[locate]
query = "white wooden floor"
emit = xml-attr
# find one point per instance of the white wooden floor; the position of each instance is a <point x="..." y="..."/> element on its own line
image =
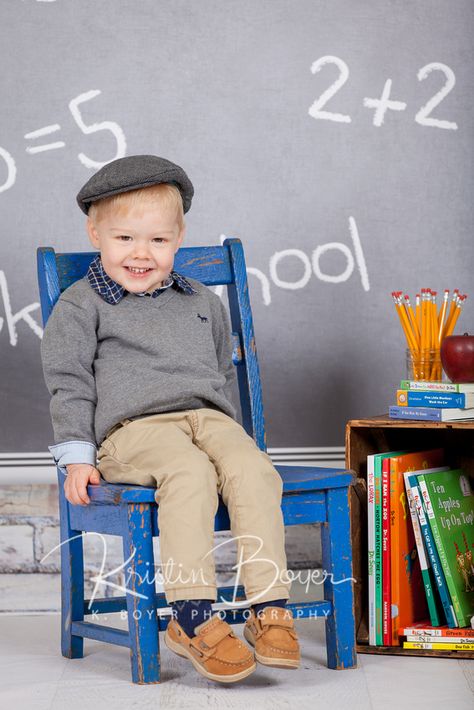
<point x="34" y="675"/>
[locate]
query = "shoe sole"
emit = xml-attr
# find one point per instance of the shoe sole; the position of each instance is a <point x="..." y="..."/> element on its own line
<point x="269" y="660"/>
<point x="181" y="651"/>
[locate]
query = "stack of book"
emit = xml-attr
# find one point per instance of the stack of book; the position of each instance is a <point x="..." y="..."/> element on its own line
<point x="440" y="638"/>
<point x="420" y="548"/>
<point x="433" y="401"/>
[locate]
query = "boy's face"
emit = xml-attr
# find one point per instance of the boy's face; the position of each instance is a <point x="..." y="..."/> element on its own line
<point x="149" y="240"/>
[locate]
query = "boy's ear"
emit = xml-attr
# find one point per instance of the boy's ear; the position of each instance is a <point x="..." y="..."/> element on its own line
<point x="181" y="237"/>
<point x="92" y="232"/>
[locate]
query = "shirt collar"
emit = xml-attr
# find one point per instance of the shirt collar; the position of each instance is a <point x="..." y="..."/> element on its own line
<point x="112" y="292"/>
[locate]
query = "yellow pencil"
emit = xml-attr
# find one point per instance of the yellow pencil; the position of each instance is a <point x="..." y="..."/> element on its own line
<point x="456" y="314"/>
<point x="418" y="311"/>
<point x="452" y="307"/>
<point x="404" y="322"/>
<point x="434" y="320"/>
<point x="442" y="314"/>
<point x="412" y="319"/>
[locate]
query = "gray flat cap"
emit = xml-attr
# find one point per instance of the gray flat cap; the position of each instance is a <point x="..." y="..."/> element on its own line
<point x="131" y="173"/>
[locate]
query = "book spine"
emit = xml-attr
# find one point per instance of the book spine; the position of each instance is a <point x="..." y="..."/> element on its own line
<point x="371" y="546"/>
<point x="439" y="646"/>
<point x="446" y="633"/>
<point x="439" y="639"/>
<point x="386" y="551"/>
<point x="433" y="555"/>
<point x="424" y="565"/>
<point x="394" y="554"/>
<point x="427" y="385"/>
<point x="446" y="400"/>
<point x="378" y="559"/>
<point x="441" y="551"/>
<point x="424" y="413"/>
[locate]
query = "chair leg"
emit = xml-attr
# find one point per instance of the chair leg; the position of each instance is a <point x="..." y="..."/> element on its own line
<point x="72" y="580"/>
<point x="139" y="580"/>
<point x="338" y="585"/>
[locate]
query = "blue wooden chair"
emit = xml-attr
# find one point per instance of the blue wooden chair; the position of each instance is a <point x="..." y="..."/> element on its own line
<point x="310" y="495"/>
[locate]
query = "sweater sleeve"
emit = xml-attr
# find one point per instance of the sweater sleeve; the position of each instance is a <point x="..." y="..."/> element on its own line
<point x="73" y="452"/>
<point x="222" y="332"/>
<point x="68" y="350"/>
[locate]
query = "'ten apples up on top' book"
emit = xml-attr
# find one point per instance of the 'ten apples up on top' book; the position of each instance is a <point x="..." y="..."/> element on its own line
<point x="449" y="503"/>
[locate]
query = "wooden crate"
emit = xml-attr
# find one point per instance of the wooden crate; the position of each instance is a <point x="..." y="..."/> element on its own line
<point x="379" y="435"/>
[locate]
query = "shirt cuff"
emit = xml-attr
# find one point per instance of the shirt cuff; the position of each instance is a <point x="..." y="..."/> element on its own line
<point x="73" y="452"/>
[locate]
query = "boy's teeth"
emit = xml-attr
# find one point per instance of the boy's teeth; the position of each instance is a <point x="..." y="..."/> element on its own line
<point x="138" y="271"/>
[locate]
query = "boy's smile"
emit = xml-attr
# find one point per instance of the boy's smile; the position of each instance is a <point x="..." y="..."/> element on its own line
<point x="137" y="250"/>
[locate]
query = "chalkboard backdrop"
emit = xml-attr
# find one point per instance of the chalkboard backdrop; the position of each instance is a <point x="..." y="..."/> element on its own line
<point x="335" y="139"/>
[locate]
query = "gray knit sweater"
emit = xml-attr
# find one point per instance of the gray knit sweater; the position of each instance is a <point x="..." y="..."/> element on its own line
<point x="104" y="362"/>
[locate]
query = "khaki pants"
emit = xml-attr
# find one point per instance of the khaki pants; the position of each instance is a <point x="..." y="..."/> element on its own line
<point x="191" y="456"/>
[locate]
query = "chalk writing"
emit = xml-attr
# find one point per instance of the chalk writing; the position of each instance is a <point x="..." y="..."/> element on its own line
<point x="86" y="128"/>
<point x="384" y="103"/>
<point x="11" y="170"/>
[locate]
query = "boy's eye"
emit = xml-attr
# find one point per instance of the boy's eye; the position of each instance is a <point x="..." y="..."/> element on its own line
<point x="125" y="237"/>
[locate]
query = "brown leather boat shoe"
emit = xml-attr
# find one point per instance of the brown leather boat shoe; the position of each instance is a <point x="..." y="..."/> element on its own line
<point x="214" y="651"/>
<point x="274" y="637"/>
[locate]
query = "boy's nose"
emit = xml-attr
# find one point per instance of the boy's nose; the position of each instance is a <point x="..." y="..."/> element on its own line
<point x="141" y="251"/>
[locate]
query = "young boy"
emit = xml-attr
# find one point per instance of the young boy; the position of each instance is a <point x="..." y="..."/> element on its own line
<point x="138" y="362"/>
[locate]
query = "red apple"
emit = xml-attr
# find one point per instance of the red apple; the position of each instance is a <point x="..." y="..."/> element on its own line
<point x="457" y="357"/>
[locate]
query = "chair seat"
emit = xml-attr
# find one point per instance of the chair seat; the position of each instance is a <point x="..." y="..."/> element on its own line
<point x="296" y="479"/>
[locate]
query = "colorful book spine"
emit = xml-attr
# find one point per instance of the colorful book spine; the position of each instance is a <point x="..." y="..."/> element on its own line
<point x="442" y="631"/>
<point x="449" y="505"/>
<point x="409" y="602"/>
<point x="432" y="414"/>
<point x="439" y="646"/>
<point x="446" y="400"/>
<point x="439" y="639"/>
<point x="433" y="555"/>
<point x="378" y="553"/>
<point x="371" y="546"/>
<point x="424" y="564"/>
<point x="386" y="563"/>
<point x="436" y="386"/>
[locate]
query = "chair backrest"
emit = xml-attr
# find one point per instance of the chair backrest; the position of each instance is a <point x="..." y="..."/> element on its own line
<point x="211" y="265"/>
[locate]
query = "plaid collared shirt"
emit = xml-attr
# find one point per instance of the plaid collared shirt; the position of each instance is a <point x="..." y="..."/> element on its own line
<point x="113" y="292"/>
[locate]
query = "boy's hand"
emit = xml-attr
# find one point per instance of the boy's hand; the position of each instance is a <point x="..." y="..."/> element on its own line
<point x="79" y="475"/>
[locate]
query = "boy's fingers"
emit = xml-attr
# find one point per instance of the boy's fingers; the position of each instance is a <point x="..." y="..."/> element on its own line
<point x="95" y="477"/>
<point x="79" y="491"/>
<point x="69" y="492"/>
<point x="82" y="490"/>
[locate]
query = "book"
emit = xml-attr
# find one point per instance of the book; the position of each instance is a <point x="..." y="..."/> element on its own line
<point x="407" y="589"/>
<point x="439" y="639"/>
<point x="436" y="386"/>
<point x="386" y="553"/>
<point x="433" y="414"/>
<point x="449" y="502"/>
<point x="374" y="545"/>
<point x="428" y="398"/>
<point x="439" y="646"/>
<point x="426" y="571"/>
<point x="422" y="627"/>
<point x="378" y="549"/>
<point x="433" y="553"/>
<point x="371" y="547"/>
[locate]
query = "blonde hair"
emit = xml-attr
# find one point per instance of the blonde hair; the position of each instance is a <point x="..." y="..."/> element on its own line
<point x="162" y="194"/>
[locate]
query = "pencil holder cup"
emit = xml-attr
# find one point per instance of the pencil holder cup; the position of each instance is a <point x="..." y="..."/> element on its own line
<point x="424" y="365"/>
